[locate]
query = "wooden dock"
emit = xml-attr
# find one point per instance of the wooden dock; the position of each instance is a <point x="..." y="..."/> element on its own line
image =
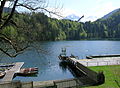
<point x="10" y="73"/>
<point x="96" y="78"/>
<point x="100" y="61"/>
<point x="103" y="56"/>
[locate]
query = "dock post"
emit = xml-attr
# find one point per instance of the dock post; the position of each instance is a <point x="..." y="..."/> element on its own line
<point x="87" y="63"/>
<point x="97" y="63"/>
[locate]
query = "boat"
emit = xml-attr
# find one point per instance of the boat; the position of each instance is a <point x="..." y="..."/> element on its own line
<point x="8" y="65"/>
<point x="21" y="73"/>
<point x="28" y="71"/>
<point x="2" y="74"/>
<point x="61" y="57"/>
<point x="65" y="58"/>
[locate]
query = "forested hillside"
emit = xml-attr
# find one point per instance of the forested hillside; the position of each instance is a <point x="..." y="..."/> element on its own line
<point x="39" y="27"/>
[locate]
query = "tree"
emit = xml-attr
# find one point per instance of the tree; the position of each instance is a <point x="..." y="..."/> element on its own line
<point x="6" y="20"/>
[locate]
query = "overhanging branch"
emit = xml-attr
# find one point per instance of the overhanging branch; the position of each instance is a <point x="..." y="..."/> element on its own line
<point x="13" y="44"/>
<point x="10" y="16"/>
<point x="34" y="9"/>
<point x="10" y="55"/>
<point x="1" y="9"/>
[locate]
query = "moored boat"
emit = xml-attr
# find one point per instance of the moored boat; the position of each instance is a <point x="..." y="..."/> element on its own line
<point x="2" y="74"/>
<point x="8" y="65"/>
<point x="21" y="73"/>
<point x="28" y="71"/>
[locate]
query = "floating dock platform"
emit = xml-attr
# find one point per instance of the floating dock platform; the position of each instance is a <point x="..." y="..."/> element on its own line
<point x="10" y="73"/>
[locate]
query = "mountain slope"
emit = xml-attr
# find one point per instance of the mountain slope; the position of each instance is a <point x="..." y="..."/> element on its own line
<point x="110" y="14"/>
<point x="111" y="23"/>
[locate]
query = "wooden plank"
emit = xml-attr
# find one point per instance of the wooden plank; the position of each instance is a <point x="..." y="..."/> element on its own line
<point x="17" y="67"/>
<point x="10" y="73"/>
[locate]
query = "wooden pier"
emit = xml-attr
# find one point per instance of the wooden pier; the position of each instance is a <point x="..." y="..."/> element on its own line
<point x="101" y="60"/>
<point x="10" y="73"/>
<point x="96" y="78"/>
<point x="103" y="56"/>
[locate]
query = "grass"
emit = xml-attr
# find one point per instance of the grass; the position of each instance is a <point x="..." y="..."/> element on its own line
<point x="111" y="73"/>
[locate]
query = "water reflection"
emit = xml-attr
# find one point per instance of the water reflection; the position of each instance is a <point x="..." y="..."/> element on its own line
<point x="81" y="79"/>
<point x="33" y="75"/>
<point x="75" y="72"/>
<point x="63" y="65"/>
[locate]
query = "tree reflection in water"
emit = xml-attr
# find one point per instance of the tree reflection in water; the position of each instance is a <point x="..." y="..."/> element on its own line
<point x="75" y="72"/>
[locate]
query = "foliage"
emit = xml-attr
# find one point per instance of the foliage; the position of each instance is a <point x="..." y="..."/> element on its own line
<point x="29" y="27"/>
<point x="10" y="31"/>
<point x="39" y="27"/>
<point x="9" y="35"/>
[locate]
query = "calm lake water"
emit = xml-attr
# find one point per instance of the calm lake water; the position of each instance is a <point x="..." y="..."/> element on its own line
<point x="48" y="62"/>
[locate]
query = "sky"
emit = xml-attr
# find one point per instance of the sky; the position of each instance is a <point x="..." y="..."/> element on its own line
<point x="91" y="9"/>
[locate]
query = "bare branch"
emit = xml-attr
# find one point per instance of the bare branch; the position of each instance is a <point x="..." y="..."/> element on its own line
<point x="11" y="55"/>
<point x="10" y="16"/>
<point x="17" y="49"/>
<point x="33" y="9"/>
<point x="1" y="9"/>
<point x="13" y="44"/>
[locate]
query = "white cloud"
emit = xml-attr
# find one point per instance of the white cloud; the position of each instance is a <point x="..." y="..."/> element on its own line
<point x="7" y="4"/>
<point x="98" y="10"/>
<point x="63" y="12"/>
<point x="99" y="1"/>
<point x="104" y="9"/>
<point x="67" y="12"/>
<point x="89" y="18"/>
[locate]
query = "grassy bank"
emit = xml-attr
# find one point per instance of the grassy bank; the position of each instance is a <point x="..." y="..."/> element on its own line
<point x="112" y="76"/>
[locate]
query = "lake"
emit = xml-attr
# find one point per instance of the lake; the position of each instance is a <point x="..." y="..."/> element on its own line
<point x="46" y="58"/>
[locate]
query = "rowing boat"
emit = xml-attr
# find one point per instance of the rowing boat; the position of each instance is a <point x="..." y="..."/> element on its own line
<point x="2" y="74"/>
<point x="28" y="71"/>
